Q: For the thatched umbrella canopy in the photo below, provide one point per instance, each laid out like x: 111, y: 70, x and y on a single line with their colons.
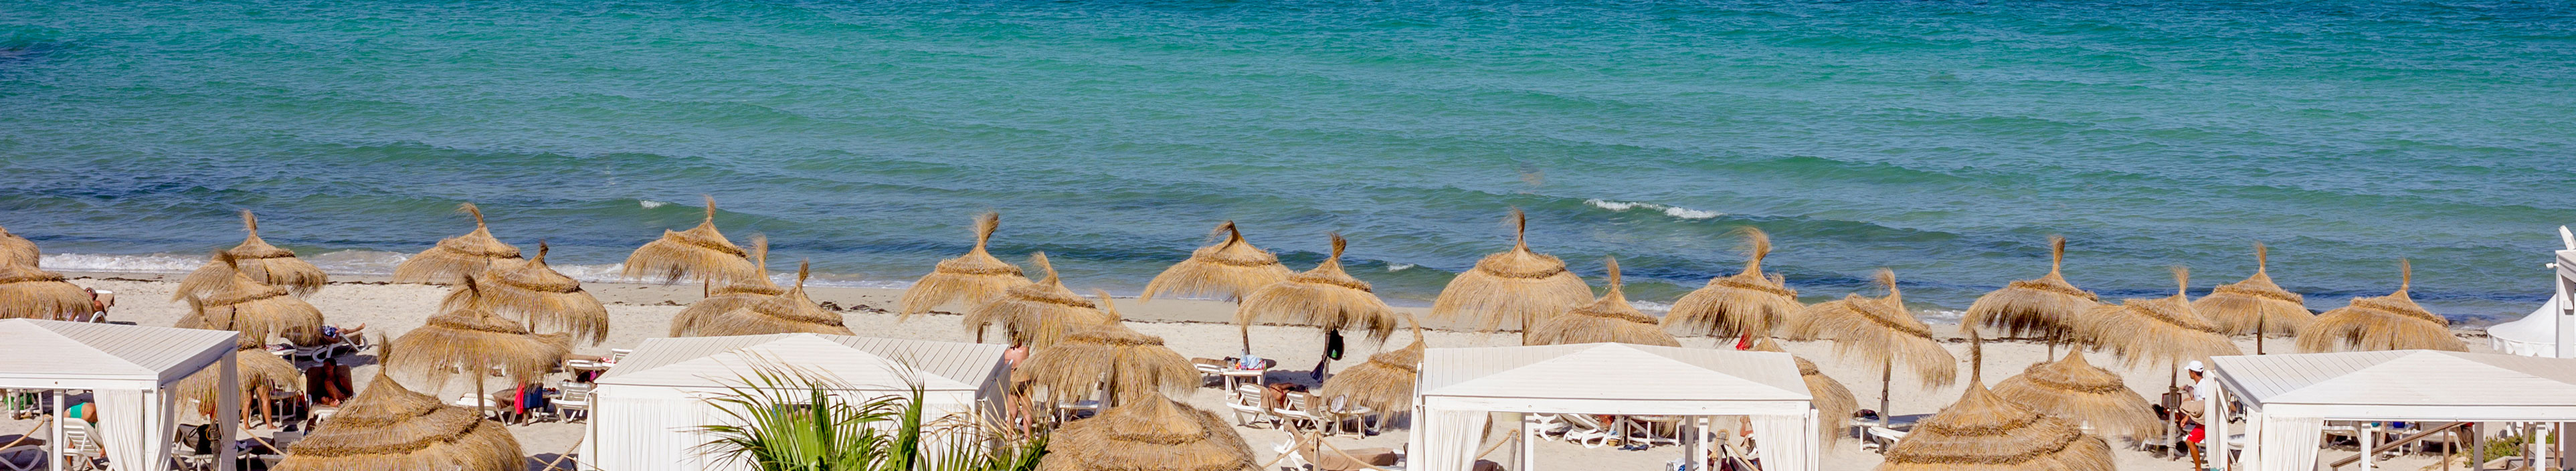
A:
x: 1325, y: 298
x: 27, y: 292
x: 1036, y: 314
x: 456, y: 257
x: 1883, y: 331
x: 18, y: 250
x: 468, y: 340
x: 1746, y: 303
x: 1231, y: 267
x: 256, y: 370
x: 388, y: 427
x: 2255, y: 306
x: 1383, y: 383
x: 537, y: 295
x: 264, y: 263
x: 257, y: 310
x: 1984, y: 432
x: 969, y: 280
x: 701, y: 252
x: 731, y: 295
x: 2155, y: 331
x: 2046, y: 307
x: 1609, y: 319
x: 1110, y: 355
x: 2392, y: 322
x: 1833, y: 401
x: 2079, y: 393
x: 1517, y: 284
x: 1154, y: 434
x: 787, y: 313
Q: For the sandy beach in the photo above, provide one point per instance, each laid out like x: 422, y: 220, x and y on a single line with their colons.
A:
x: 1195, y: 328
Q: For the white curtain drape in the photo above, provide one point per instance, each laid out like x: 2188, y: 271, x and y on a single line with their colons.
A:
x: 1786, y: 442
x: 648, y: 432
x: 1447, y: 439
x: 134, y: 427
x: 2283, y: 443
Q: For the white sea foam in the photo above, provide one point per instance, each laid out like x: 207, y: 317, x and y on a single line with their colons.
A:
x: 650, y: 204
x: 1668, y: 210
x: 1392, y: 266
x: 1650, y: 307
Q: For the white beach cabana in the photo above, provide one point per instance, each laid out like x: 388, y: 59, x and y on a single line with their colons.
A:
x: 1458, y: 387
x: 2538, y: 334
x: 2287, y: 399
x: 650, y: 404
x: 130, y: 371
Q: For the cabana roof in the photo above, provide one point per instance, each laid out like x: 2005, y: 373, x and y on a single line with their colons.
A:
x: 2405, y: 385
x: 863, y: 362
x: 1613, y: 378
x: 80, y: 355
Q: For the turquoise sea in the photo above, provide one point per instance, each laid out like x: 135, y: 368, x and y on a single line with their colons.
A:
x: 1945, y: 139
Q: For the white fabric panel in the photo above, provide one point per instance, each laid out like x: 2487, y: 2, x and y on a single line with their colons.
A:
x: 1588, y: 405
x: 2287, y: 443
x: 1446, y: 439
x: 2534, y: 335
x: 134, y: 428
x: 647, y: 432
x: 1787, y: 442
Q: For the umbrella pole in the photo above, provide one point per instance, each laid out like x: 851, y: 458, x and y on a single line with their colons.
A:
x: 1886, y: 375
x: 1247, y: 338
x: 2258, y: 335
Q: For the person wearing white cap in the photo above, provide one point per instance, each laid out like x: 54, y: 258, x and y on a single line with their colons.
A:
x: 2202, y: 386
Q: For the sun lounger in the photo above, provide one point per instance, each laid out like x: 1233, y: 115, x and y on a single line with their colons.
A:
x: 1299, y: 412
x: 571, y: 398
x: 1586, y: 431
x: 1245, y: 401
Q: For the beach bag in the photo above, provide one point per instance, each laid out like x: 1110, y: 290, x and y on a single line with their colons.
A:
x: 1333, y: 344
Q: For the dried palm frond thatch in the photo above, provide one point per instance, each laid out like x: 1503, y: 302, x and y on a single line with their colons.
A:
x: 2082, y: 394
x: 2256, y: 305
x: 1746, y: 303
x: 2155, y: 331
x: 1833, y: 401
x: 788, y: 313
x: 27, y: 292
x: 968, y: 280
x: 1516, y: 285
x: 1325, y: 297
x: 1111, y: 356
x: 2392, y: 322
x: 725, y: 299
x: 1882, y: 330
x: 1154, y: 434
x: 536, y: 295
x: 1984, y: 432
x: 1036, y: 314
x: 2045, y: 308
x: 456, y: 257
x: 389, y: 427
x: 257, y: 310
x: 469, y: 340
x: 264, y: 263
x: 1231, y: 268
x: 18, y: 250
x: 701, y: 252
x: 1385, y: 382
x: 1609, y: 319
x: 255, y: 370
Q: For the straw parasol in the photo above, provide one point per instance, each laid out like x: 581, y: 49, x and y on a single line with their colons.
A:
x: 1881, y: 330
x: 2046, y: 307
x: 2255, y: 306
x: 256, y: 371
x: 2157, y: 330
x: 28, y: 292
x: 2392, y: 322
x: 456, y: 257
x: 1385, y: 381
x: 1746, y: 303
x: 700, y: 252
x: 788, y: 313
x: 538, y: 296
x: 1609, y: 319
x: 1036, y: 314
x: 724, y: 298
x: 264, y: 263
x: 389, y: 427
x: 968, y: 280
x: 1833, y: 401
x: 1230, y: 267
x: 257, y: 310
x: 470, y: 339
x: 1984, y: 432
x: 2076, y: 391
x: 18, y: 250
x: 1325, y: 298
x: 1108, y: 355
x: 1155, y: 434
x: 1515, y: 284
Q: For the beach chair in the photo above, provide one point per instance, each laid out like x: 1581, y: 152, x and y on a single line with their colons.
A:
x: 1245, y: 401
x: 1211, y: 370
x: 1299, y: 412
x: 618, y: 354
x: 79, y: 451
x: 572, y: 398
x: 1653, y: 429
x: 1341, y: 413
x: 25, y: 453
x: 1587, y: 431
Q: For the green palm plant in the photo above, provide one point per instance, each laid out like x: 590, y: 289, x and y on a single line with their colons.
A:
x: 791, y: 420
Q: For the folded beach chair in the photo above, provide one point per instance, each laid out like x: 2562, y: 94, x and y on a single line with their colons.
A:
x: 1587, y: 431
x: 1245, y: 401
